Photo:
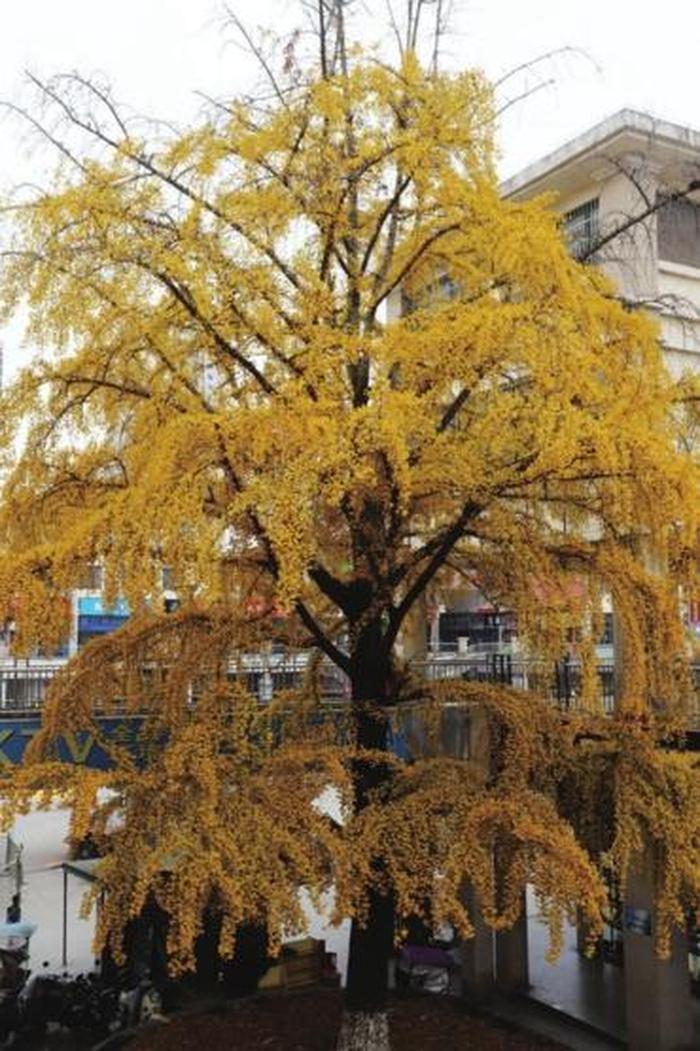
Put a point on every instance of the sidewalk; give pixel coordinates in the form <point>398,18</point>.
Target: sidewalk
<point>542,1020</point>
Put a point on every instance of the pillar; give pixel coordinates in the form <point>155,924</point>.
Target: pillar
<point>512,967</point>
<point>657,992</point>
<point>477,954</point>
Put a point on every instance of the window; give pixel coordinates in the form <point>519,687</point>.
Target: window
<point>497,626</point>
<point>678,231</point>
<point>447,288</point>
<point>168,578</point>
<point>607,638</point>
<point>581,228</point>
<point>90,577</point>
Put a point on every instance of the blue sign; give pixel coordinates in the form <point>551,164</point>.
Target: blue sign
<point>94,625</point>
<point>638,921</point>
<point>81,747</point>
<point>92,606</point>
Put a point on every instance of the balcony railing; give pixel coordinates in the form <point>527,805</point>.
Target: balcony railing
<point>23,684</point>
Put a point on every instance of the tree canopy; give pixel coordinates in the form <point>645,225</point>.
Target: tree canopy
<point>305,356</point>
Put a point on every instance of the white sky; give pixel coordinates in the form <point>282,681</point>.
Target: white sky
<point>158,54</point>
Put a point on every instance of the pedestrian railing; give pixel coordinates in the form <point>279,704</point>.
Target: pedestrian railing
<point>23,684</point>
<point>559,681</point>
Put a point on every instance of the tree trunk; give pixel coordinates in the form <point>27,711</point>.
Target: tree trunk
<point>365,1024</point>
<point>371,947</point>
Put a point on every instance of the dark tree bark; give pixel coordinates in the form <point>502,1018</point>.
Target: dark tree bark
<point>371,944</point>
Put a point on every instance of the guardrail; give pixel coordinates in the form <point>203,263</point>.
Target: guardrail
<point>559,681</point>
<point>23,684</point>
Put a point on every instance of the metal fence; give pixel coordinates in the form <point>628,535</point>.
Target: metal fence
<point>559,681</point>
<point>23,684</point>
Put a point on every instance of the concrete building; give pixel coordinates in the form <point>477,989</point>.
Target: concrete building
<point>632,185</point>
<point>628,191</point>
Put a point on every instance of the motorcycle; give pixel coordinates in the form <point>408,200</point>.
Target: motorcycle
<point>82,1004</point>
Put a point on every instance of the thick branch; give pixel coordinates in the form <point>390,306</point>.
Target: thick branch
<point>438,550</point>
<point>453,409</point>
<point>408,266</point>
<point>321,639</point>
<point>272,565</point>
<point>95,382</point>
<point>388,210</point>
<point>190,306</point>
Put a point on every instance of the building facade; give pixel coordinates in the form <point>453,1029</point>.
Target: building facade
<point>628,192</point>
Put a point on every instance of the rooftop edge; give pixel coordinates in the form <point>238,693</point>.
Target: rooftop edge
<point>625,120</point>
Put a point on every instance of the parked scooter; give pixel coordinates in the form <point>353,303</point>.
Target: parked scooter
<point>13,976</point>
<point>82,1004</point>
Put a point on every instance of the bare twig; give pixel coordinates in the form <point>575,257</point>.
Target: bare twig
<point>257,52</point>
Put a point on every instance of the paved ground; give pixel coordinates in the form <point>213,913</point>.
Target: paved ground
<point>591,991</point>
<point>534,1017</point>
<point>42,835</point>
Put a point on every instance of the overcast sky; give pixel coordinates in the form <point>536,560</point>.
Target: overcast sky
<point>158,54</point>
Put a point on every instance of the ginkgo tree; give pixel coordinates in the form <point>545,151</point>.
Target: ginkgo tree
<point>305,356</point>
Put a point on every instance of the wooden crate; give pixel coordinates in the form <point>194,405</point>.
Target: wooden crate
<point>300,965</point>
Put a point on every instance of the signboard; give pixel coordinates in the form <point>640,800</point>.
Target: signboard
<point>81,747</point>
<point>93,606</point>
<point>98,625</point>
<point>638,921</point>
<point>94,618</point>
